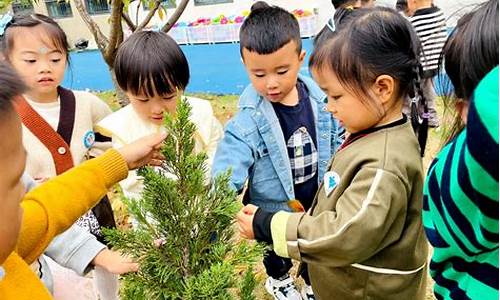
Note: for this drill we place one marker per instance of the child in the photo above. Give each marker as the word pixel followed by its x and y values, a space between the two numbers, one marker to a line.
pixel 343 8
pixel 402 7
pixel 78 250
pixel 282 137
pixel 30 225
pixel 58 133
pixel 430 24
pixel 363 237
pixel 461 190
pixel 152 70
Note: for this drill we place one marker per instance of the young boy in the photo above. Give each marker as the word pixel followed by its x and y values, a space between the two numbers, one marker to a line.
pixel 27 227
pixel 282 137
pixel 430 24
pixel 153 83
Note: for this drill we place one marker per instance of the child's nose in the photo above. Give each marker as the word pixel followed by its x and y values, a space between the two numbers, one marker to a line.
pixel 44 67
pixel 271 83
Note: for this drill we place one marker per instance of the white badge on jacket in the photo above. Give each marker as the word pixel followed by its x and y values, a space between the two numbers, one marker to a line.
pixel 330 182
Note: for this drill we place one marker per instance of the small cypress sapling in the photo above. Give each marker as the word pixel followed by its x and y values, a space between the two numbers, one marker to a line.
pixel 200 257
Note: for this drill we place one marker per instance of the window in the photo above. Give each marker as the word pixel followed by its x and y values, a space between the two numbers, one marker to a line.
pixel 95 7
pixel 22 7
pixel 166 4
pixel 58 9
pixel 209 2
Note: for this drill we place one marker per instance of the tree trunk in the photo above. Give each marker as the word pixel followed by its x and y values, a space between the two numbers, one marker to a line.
pixel 120 94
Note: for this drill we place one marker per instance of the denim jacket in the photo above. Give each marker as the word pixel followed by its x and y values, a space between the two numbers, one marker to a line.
pixel 254 148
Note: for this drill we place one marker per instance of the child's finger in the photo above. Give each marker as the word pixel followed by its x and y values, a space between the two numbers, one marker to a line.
pixel 250 209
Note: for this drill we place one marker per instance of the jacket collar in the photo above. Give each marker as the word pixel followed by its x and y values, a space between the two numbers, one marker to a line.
pixel 251 99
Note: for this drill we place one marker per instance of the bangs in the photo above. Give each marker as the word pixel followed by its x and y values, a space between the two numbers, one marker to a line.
pixel 151 63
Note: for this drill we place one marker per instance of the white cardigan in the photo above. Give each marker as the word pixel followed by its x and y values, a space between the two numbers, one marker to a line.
pixel 125 126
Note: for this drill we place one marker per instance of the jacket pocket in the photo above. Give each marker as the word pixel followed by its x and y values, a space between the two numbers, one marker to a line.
pixel 263 166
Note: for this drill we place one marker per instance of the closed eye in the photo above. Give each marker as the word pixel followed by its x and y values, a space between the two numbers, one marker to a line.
pixel 168 98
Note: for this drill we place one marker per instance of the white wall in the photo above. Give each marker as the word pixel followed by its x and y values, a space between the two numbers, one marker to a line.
pixel 192 12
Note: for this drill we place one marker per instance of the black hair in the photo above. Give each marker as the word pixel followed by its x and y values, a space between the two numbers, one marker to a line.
pixel 469 54
pixel 336 22
pixel 11 86
pixel 269 28
pixel 151 63
pixel 374 42
pixel 402 5
pixel 53 30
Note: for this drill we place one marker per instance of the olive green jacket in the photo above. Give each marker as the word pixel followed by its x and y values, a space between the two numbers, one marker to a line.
pixel 364 239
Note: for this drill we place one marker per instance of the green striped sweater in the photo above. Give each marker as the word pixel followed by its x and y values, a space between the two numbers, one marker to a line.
pixel 460 210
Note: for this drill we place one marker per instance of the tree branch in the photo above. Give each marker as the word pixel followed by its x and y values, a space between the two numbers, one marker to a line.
pixel 128 21
pixel 100 39
pixel 175 16
pixel 149 16
pixel 116 30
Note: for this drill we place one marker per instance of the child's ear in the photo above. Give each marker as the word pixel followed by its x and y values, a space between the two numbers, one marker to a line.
pixel 302 56
pixel 384 88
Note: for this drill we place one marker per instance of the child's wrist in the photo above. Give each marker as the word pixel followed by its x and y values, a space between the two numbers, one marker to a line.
pixel 262 226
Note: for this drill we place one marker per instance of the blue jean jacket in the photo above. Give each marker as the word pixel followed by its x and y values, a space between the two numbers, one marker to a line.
pixel 254 148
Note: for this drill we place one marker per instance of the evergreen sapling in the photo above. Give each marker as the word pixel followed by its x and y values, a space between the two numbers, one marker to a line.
pixel 199 256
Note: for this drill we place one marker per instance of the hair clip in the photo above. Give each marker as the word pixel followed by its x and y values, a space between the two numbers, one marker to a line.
pixel 4 22
pixel 331 24
pixel 349 7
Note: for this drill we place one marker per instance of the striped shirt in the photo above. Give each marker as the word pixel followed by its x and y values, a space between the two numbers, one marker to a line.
pixel 460 211
pixel 430 25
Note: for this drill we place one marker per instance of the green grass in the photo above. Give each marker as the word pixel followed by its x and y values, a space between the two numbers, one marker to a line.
pixel 225 106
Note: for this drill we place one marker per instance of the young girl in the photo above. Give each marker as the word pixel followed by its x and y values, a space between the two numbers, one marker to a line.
pixel 152 70
pixel 58 134
pixel 461 190
pixel 363 236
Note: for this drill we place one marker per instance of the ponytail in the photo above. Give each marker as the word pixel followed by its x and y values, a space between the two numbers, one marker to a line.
pixel 419 111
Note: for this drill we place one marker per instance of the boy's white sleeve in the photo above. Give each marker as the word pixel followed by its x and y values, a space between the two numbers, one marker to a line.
pixel 216 134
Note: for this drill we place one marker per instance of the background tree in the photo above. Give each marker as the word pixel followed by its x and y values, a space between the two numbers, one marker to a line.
pixel 108 43
pixel 199 256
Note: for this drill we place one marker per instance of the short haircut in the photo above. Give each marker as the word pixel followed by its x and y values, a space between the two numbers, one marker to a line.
pixel 11 86
pixel 268 28
pixel 151 63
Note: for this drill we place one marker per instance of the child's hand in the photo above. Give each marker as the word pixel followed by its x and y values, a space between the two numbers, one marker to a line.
pixel 114 262
pixel 245 221
pixel 143 151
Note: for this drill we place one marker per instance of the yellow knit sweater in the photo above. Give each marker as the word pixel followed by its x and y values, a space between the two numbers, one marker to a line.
pixel 49 210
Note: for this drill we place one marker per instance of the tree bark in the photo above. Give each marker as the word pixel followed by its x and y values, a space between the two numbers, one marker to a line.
pixel 175 16
pixel 100 39
pixel 128 21
pixel 120 94
pixel 149 16
pixel 116 32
